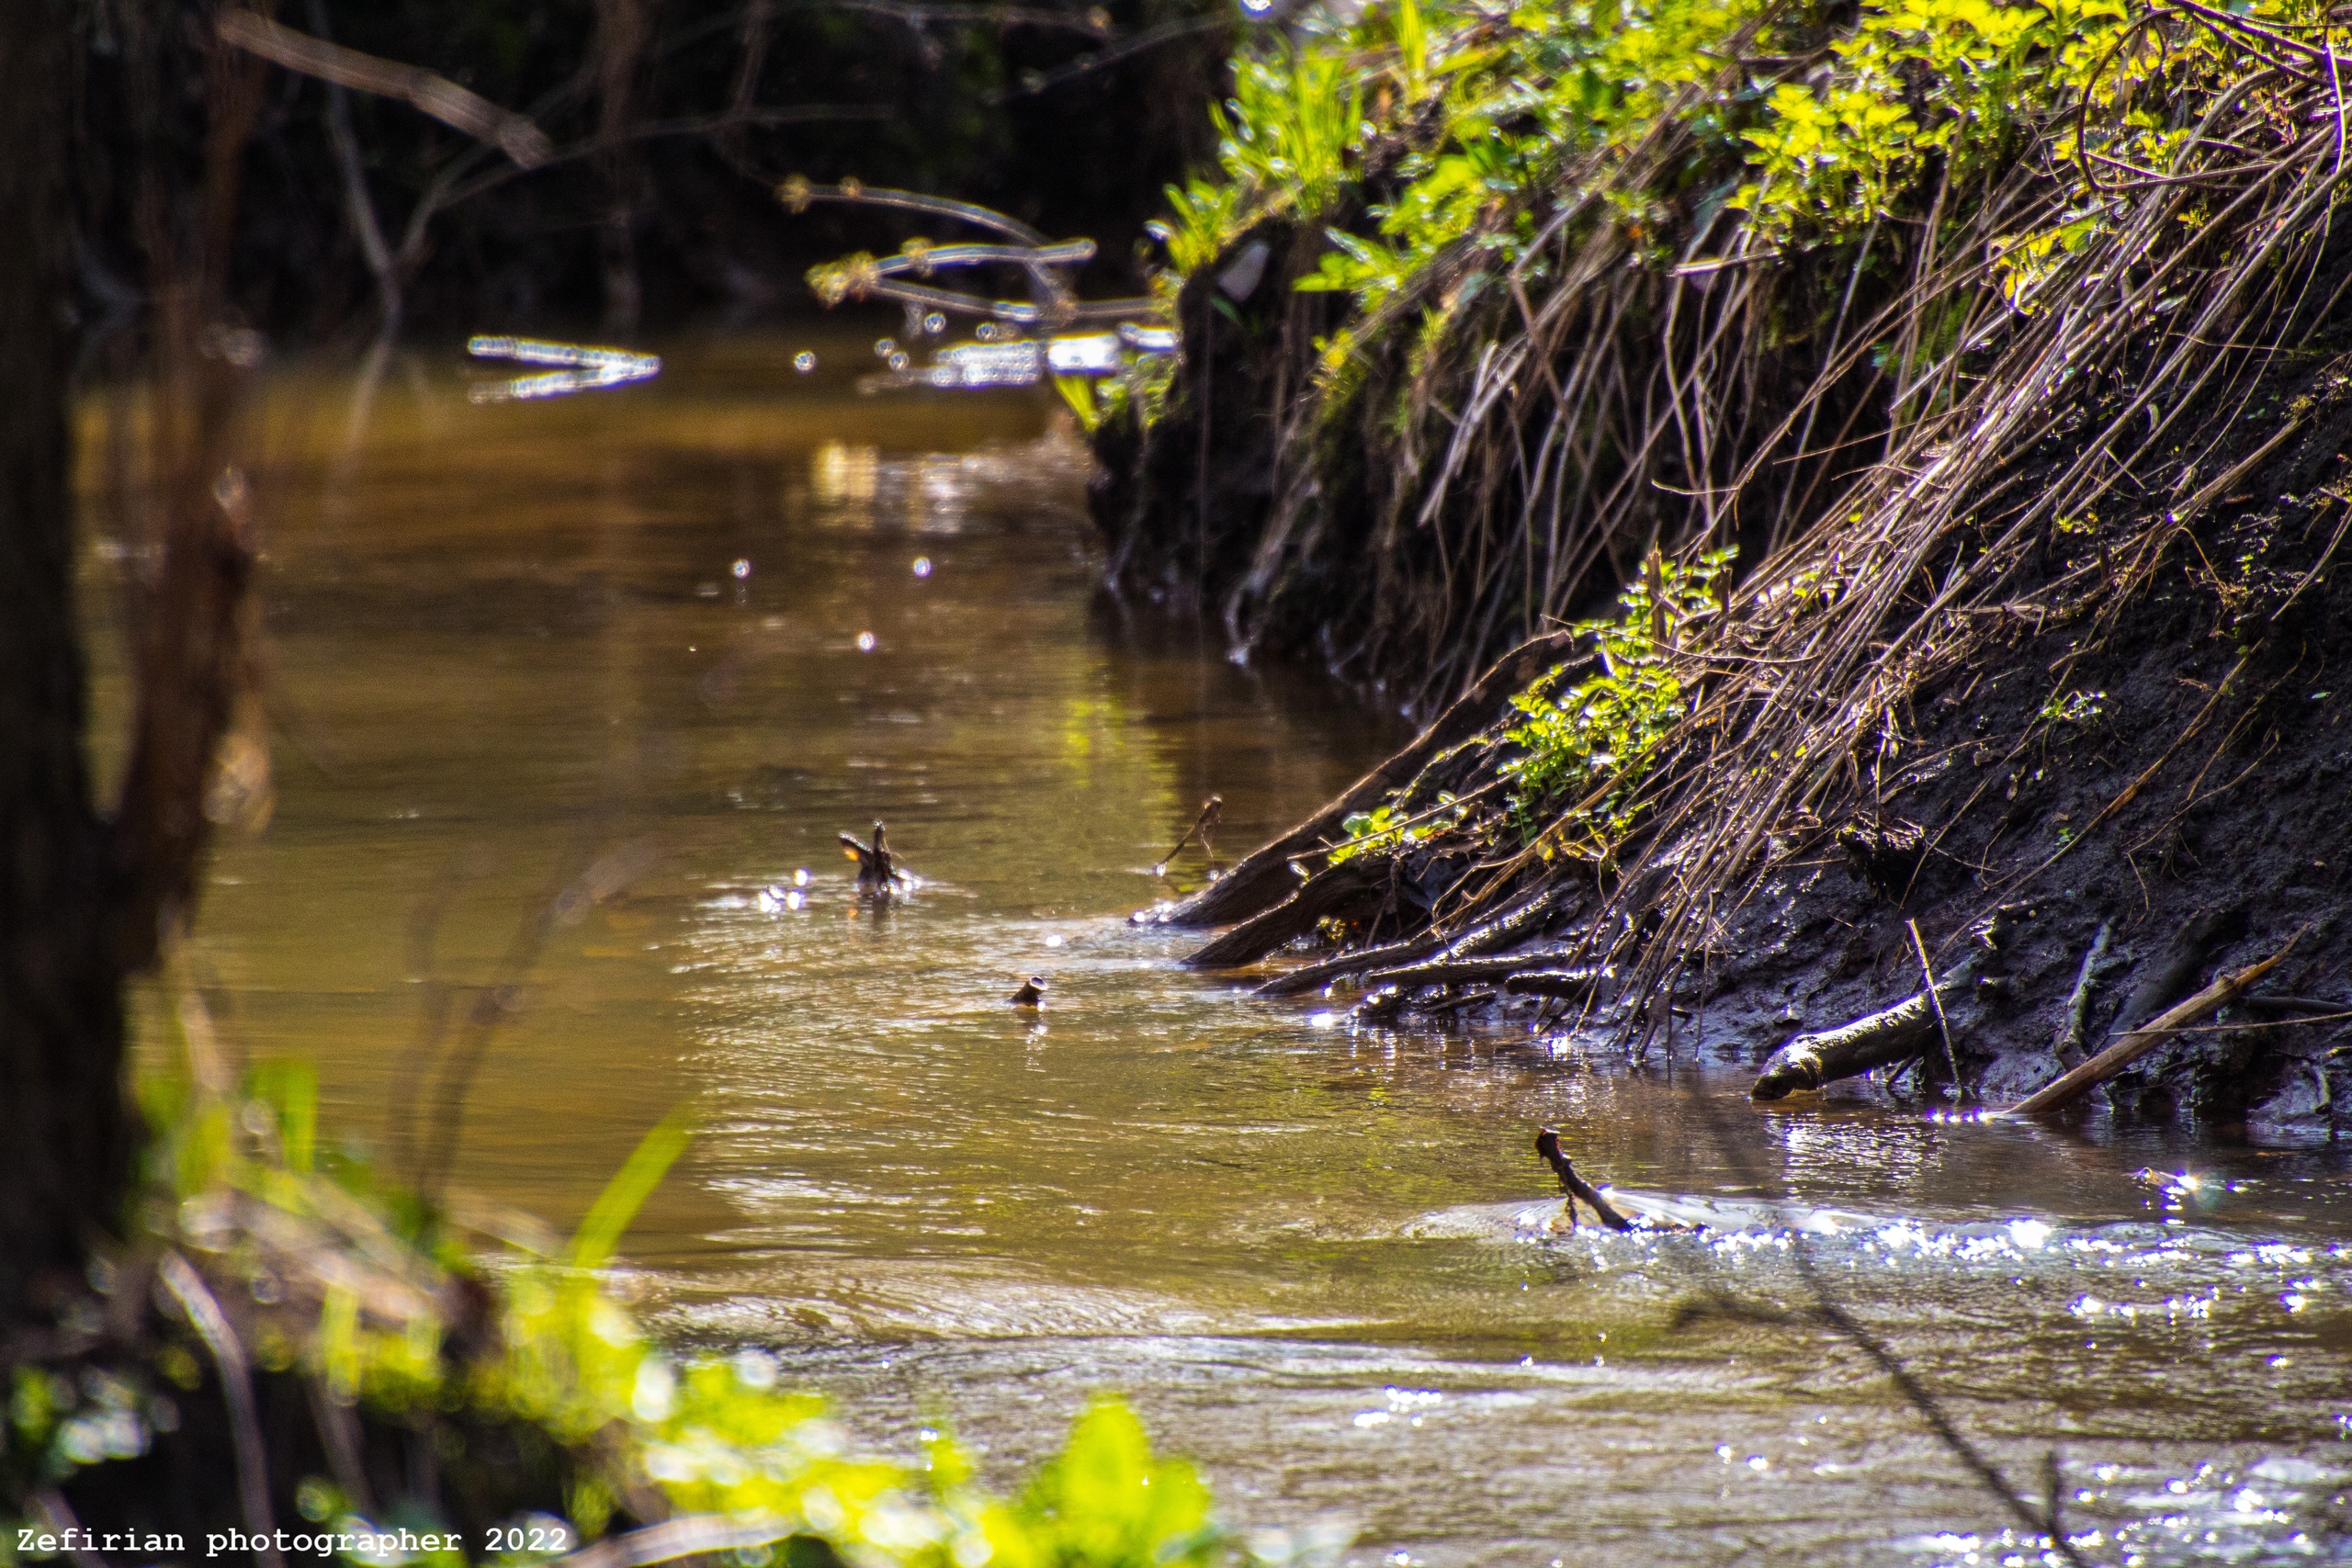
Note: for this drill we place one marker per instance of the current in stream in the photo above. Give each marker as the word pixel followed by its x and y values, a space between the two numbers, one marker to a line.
pixel 657 645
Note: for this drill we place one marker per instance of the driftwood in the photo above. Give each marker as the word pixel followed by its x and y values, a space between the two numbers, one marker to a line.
pixel 1458 971
pixel 1576 1188
pixel 1263 878
pixel 1894 1034
pixel 1294 917
pixel 2068 1046
pixel 2072 1086
pixel 2311 1007
pixel 1314 976
pixel 1500 932
pixel 1507 927
pixel 1891 1035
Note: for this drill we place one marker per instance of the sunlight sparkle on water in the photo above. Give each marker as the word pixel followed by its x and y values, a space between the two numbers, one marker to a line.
pixel 866 642
pixel 922 565
pixel 803 362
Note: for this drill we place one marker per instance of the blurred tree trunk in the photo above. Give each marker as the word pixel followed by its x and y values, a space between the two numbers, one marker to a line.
pixel 624 33
pixel 87 900
pixel 64 1133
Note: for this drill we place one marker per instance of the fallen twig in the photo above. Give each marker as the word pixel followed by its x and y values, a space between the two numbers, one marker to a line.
pixel 692 1536
pixel 1935 1002
pixel 1212 812
pixel 2074 1085
pixel 220 1336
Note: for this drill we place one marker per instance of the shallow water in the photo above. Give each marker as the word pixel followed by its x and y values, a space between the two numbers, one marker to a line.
pixel 638 655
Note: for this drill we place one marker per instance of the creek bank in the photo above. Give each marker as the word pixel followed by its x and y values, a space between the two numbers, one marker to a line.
pixel 2026 425
pixel 2147 791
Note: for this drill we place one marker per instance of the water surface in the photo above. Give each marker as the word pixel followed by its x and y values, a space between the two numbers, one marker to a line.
pixel 631 661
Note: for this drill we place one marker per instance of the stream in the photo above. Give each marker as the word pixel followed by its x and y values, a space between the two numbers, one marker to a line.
pixel 569 698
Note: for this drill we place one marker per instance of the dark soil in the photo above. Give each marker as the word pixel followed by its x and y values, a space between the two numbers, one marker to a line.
pixel 2237 836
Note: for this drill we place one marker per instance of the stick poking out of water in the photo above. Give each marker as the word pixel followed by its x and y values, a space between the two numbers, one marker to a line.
pixel 1547 1144
pixel 1212 812
pixel 877 869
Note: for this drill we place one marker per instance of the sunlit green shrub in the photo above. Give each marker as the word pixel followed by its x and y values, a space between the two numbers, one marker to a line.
pixel 1385 829
pixel 1476 118
pixel 1590 744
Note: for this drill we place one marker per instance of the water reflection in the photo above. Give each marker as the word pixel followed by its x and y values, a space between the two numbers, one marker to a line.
pixel 1320 1257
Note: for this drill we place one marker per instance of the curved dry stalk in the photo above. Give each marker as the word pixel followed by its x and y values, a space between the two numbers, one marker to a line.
pixel 219 1337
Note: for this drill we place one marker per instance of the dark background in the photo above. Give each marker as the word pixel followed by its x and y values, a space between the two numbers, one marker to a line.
pixel 1069 116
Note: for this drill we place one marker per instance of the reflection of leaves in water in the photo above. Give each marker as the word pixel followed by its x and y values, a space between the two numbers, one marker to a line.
pixel 1008 483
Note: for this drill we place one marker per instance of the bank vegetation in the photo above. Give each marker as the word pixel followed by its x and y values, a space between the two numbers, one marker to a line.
pixel 1913 434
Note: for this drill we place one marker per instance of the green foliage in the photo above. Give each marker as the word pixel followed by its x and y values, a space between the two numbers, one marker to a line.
pixel 1205 216
pixel 1284 139
pixel 1591 745
pixel 1385 829
pixel 361 1295
pixel 600 1232
pixel 1834 160
pixel 1105 1502
pixel 1291 124
pixel 1140 389
pixel 1078 394
pixel 1474 121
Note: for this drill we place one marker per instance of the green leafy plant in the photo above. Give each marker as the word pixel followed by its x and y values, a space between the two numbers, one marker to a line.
pixel 361 1288
pixel 1385 829
pixel 1486 116
pixel 2077 708
pixel 1591 742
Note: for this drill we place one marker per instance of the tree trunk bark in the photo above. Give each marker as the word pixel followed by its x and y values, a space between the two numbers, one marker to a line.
pixel 65 1139
pixel 85 900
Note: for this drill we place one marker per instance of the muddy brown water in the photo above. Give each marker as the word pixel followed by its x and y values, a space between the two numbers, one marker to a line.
pixel 664 642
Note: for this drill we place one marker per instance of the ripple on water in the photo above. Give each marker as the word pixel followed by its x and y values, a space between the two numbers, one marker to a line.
pixel 1319 1258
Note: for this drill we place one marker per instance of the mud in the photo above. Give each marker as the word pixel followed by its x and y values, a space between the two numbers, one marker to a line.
pixel 2174 776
